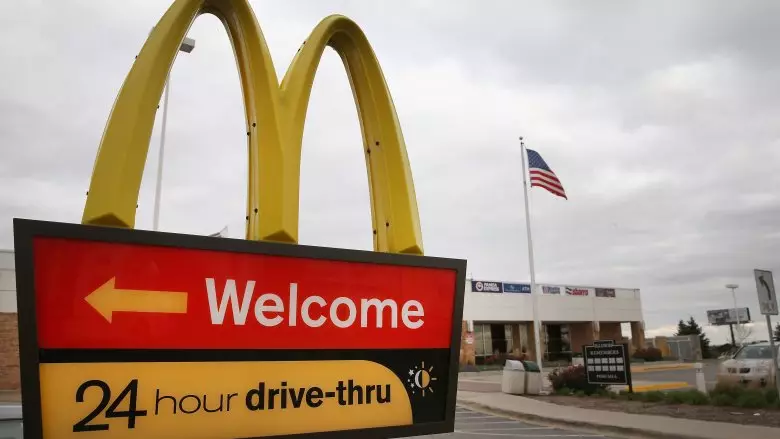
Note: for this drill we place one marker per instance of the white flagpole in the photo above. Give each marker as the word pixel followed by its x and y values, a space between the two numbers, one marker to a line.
pixel 534 293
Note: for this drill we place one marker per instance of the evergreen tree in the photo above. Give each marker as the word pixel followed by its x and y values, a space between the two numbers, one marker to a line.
pixel 691 327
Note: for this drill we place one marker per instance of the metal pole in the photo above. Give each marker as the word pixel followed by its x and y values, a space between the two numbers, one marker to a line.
pixel 774 353
pixel 736 312
pixel 534 294
pixel 158 189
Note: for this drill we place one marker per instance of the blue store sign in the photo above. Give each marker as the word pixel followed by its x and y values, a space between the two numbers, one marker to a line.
pixel 517 288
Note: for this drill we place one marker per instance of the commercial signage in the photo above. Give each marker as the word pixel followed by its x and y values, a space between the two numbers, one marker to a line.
pixel 137 334
pixel 728 316
pixel 481 286
pixel 605 292
pixel 607 363
pixel 517 288
pixel 574 291
pixel 546 289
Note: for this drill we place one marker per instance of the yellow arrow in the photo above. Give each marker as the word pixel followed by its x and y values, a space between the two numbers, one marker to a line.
pixel 108 299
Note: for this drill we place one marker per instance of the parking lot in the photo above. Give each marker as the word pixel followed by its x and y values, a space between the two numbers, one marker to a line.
pixel 470 424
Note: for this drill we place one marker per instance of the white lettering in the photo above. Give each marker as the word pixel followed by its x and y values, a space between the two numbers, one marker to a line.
pixel 271 309
pixel 407 312
pixel 334 309
pixel 293 304
pixel 380 306
pixel 229 295
pixel 305 311
pixel 261 308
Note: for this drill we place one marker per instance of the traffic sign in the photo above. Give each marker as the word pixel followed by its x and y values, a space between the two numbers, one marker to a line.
pixel 136 334
pixel 767 298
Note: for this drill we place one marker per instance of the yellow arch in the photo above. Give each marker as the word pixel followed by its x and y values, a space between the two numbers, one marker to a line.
pixel 275 118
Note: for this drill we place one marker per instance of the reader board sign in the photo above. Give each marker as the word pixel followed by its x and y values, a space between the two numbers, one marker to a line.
pixel 607 363
pixel 136 334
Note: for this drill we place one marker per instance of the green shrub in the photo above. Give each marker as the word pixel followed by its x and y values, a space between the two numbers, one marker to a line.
pixel 653 396
pixel 772 396
pixel 678 397
pixel 694 397
pixel 574 378
pixel 722 399
pixel 565 391
pixel 648 354
pixel 580 393
pixel 752 398
pixel 732 390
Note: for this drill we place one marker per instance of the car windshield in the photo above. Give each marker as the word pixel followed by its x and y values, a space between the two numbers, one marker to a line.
pixel 754 352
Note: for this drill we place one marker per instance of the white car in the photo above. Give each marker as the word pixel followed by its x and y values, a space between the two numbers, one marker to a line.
pixel 751 366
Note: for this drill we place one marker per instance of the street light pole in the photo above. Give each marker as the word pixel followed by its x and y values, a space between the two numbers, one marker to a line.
pixel 186 46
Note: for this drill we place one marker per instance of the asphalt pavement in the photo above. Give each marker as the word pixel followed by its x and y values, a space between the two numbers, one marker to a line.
pixel 470 424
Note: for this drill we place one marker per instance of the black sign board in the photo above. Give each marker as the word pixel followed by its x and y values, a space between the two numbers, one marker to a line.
pixel 607 363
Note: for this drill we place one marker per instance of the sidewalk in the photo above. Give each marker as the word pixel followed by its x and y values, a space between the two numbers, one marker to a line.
pixel 626 423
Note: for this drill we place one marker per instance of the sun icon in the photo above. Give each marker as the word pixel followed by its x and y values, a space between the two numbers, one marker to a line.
pixel 420 378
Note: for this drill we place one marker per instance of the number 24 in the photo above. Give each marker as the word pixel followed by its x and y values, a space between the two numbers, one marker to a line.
pixel 131 413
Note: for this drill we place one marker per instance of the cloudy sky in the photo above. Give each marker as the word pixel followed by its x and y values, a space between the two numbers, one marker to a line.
pixel 660 118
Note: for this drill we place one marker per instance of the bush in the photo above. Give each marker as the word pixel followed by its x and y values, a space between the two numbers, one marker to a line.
pixel 565 391
pixel 723 399
pixel 574 378
pixel 772 396
pixel 648 354
pixel 694 397
pixel 678 397
pixel 730 390
pixel 653 396
pixel 579 393
pixel 752 399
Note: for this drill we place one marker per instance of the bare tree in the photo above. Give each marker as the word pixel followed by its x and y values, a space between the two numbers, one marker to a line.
pixel 742 332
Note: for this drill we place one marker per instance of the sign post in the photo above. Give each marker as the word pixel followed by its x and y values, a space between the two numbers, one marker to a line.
pixel 607 363
pixel 137 334
pixel 767 303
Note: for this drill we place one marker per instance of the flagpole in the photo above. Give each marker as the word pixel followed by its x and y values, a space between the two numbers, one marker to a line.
pixel 534 293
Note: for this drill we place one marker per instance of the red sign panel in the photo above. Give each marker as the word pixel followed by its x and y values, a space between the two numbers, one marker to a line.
pixel 91 294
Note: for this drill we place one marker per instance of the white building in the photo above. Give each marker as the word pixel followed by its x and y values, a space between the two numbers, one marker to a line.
pixel 498 319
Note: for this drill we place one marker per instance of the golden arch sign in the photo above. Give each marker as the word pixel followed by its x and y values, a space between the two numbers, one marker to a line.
pixel 275 116
pixel 136 334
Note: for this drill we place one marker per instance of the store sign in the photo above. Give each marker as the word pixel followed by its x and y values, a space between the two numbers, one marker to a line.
pixel 481 286
pixel 574 291
pixel 517 288
pixel 607 363
pixel 550 290
pixel 135 334
pixel 605 292
pixel 728 316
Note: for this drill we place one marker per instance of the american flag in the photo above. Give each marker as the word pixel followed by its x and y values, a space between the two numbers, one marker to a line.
pixel 542 175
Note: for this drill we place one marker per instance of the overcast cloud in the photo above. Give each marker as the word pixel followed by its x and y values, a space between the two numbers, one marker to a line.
pixel 660 118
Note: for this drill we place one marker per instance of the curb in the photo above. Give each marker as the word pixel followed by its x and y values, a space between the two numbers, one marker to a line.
pixel 642 369
pixel 557 422
pixel 673 385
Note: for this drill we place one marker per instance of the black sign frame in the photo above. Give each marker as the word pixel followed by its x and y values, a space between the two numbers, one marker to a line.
pixel 601 345
pixel 25 230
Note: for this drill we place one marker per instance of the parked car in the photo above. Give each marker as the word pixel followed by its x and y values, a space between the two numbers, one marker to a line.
pixel 750 366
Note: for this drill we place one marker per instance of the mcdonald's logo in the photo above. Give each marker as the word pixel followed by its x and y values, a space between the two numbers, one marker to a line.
pixel 275 116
